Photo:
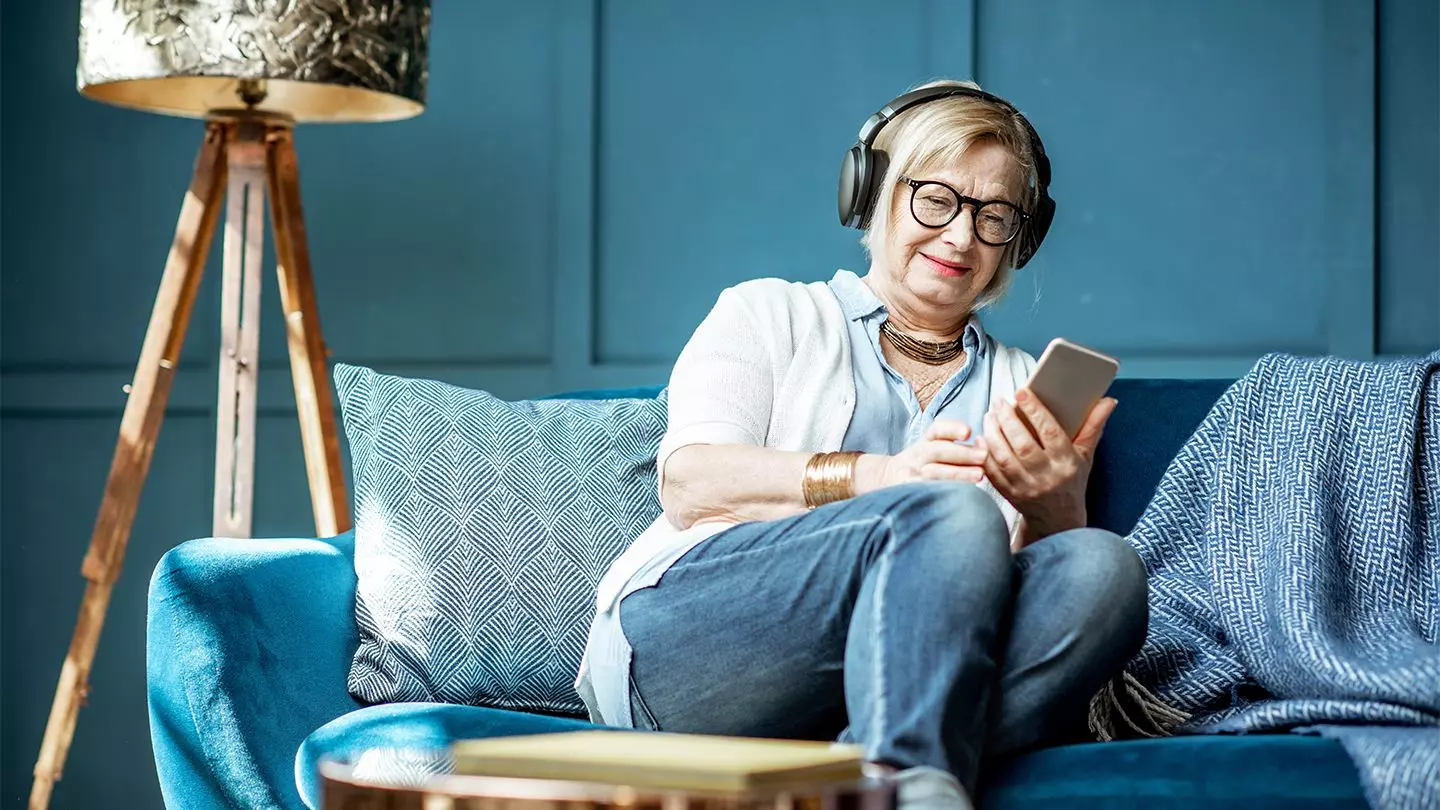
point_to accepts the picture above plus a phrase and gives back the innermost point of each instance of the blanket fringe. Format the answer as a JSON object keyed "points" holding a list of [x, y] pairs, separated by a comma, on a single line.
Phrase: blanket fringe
{"points": [[1124, 708]]}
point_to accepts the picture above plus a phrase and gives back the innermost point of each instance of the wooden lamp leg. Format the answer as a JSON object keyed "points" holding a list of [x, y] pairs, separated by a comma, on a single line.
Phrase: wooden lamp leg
{"points": [[308, 366], [240, 333], [139, 428]]}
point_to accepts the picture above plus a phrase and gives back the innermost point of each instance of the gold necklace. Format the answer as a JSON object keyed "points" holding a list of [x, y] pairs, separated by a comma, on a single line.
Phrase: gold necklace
{"points": [[923, 351]]}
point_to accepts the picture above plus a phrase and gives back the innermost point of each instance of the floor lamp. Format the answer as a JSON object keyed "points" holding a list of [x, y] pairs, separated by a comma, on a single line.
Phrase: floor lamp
{"points": [[251, 71]]}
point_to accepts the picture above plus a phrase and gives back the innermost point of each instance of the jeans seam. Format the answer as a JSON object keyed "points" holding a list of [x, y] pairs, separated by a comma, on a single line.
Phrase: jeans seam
{"points": [[632, 697], [878, 714], [639, 700]]}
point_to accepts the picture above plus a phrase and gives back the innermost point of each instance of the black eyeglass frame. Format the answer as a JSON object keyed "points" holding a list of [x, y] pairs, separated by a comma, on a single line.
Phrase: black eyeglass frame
{"points": [[961, 201]]}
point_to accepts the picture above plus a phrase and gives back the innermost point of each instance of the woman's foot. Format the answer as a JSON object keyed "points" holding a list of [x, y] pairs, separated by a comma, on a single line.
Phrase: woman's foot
{"points": [[922, 788]]}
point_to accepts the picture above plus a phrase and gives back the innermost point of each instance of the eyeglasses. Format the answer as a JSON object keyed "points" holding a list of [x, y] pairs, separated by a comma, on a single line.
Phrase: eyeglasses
{"points": [[935, 205]]}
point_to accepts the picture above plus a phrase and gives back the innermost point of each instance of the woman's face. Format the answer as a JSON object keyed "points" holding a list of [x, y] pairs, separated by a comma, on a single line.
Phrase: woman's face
{"points": [[948, 268]]}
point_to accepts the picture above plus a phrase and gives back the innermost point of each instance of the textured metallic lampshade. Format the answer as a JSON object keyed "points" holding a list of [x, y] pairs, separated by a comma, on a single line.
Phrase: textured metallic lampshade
{"points": [[313, 60]]}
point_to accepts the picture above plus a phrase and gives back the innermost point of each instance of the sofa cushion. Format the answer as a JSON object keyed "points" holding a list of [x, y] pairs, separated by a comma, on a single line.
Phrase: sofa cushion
{"points": [[406, 741], [1251, 771], [482, 528]]}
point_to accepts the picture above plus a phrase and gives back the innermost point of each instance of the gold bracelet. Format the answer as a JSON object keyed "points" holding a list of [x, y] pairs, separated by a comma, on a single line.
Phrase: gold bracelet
{"points": [[829, 477]]}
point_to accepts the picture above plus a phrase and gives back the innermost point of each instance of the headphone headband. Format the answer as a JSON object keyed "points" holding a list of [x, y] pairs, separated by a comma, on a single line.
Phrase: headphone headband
{"points": [[864, 167]]}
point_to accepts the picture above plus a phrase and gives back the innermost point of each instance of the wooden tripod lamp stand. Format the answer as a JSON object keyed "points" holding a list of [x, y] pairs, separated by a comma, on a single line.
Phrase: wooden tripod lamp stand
{"points": [[251, 71]]}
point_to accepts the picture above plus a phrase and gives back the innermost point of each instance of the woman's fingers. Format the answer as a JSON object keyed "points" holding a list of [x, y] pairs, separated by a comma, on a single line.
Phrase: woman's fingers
{"points": [[997, 476], [946, 459], [1021, 440], [997, 442], [1050, 433], [1089, 435], [952, 472], [1001, 466], [948, 430], [954, 453]]}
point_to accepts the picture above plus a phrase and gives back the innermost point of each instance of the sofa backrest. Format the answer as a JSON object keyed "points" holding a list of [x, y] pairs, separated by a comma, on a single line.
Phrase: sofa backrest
{"points": [[1151, 423], [1153, 420]]}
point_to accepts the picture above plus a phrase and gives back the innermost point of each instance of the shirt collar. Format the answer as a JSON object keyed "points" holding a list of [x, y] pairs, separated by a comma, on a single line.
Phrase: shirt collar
{"points": [[859, 302]]}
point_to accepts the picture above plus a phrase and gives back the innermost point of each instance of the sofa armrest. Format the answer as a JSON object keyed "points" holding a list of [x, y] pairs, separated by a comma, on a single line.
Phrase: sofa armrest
{"points": [[248, 645]]}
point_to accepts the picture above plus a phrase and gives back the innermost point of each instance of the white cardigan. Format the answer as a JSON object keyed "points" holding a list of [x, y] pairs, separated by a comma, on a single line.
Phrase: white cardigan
{"points": [[769, 366]]}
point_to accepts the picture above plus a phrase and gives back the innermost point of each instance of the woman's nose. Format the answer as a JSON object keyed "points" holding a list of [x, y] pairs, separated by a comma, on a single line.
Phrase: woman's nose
{"points": [[960, 233]]}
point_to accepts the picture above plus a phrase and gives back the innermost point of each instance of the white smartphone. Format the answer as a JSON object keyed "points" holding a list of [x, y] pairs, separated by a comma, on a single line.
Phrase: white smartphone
{"points": [[1070, 379]]}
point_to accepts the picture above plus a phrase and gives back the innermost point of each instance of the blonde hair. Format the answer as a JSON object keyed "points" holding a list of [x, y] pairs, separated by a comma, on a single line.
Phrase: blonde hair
{"points": [[933, 136]]}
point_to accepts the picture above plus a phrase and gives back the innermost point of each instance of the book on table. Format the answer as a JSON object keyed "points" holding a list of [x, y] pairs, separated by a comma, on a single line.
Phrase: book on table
{"points": [[660, 761]]}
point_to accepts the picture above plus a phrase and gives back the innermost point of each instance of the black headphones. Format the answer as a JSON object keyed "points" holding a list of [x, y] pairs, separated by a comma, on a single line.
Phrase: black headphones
{"points": [[864, 167]]}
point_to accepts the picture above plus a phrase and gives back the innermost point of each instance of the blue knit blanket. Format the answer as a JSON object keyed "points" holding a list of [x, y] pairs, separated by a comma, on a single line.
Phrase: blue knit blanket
{"points": [[1293, 548]]}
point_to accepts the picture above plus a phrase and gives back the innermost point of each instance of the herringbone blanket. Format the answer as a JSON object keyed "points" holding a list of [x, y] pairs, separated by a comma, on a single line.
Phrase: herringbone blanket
{"points": [[1293, 548]]}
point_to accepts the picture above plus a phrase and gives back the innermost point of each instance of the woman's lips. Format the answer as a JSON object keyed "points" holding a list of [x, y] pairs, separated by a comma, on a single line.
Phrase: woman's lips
{"points": [[951, 269]]}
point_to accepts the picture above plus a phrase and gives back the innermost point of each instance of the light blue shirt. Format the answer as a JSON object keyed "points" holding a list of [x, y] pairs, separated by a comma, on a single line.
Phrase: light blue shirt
{"points": [[888, 417]]}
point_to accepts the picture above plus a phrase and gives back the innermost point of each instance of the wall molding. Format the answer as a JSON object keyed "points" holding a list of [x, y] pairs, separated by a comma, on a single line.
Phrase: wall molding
{"points": [[1351, 119], [46, 391], [60, 392], [575, 175]]}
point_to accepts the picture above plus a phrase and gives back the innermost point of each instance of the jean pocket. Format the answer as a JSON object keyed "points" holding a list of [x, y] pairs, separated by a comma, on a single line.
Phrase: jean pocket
{"points": [[640, 715]]}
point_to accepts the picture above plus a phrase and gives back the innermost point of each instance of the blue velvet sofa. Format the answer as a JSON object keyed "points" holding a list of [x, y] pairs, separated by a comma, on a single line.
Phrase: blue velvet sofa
{"points": [[250, 641]]}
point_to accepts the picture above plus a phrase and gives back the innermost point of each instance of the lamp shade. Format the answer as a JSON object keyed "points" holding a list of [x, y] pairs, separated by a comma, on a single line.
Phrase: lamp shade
{"points": [[313, 60]]}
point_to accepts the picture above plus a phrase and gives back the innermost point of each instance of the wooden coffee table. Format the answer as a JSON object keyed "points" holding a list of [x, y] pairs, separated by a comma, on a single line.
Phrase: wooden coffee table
{"points": [[419, 779]]}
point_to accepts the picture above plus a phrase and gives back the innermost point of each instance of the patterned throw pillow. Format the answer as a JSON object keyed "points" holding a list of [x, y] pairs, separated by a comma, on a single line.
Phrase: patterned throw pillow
{"points": [[482, 528]]}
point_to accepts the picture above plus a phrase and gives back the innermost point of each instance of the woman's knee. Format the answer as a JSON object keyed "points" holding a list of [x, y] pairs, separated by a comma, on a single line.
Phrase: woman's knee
{"points": [[1106, 558], [1106, 567], [950, 520]]}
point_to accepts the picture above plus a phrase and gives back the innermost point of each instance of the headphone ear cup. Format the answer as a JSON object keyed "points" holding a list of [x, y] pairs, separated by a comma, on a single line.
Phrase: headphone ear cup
{"points": [[853, 181], [875, 169]]}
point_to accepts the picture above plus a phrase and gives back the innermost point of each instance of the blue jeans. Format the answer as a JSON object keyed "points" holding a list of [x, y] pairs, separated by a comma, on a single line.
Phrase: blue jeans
{"points": [[901, 613]]}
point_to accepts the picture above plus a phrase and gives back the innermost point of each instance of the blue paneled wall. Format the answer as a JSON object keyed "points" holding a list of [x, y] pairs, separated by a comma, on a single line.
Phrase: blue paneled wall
{"points": [[1232, 177]]}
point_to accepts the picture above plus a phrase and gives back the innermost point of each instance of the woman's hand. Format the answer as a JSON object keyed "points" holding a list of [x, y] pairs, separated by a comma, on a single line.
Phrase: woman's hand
{"points": [[936, 457], [1042, 474]]}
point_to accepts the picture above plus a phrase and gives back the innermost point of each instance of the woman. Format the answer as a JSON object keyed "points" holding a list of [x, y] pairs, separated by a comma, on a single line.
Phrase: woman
{"points": [[862, 539]]}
